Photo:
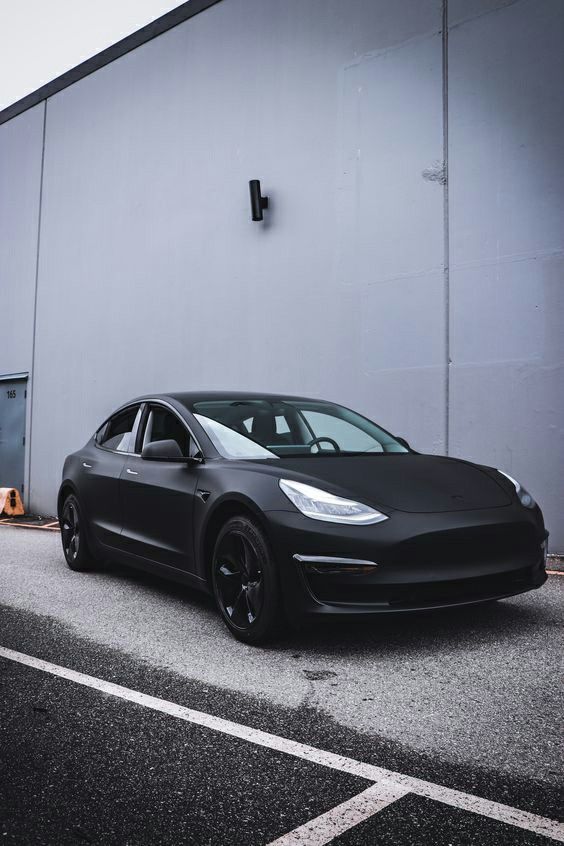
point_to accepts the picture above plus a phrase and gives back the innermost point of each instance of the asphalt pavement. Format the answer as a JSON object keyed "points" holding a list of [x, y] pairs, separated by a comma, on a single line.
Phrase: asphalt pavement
{"points": [[467, 701]]}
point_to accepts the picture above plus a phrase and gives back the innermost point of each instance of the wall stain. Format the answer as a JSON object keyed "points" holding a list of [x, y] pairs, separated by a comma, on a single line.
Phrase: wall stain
{"points": [[435, 173]]}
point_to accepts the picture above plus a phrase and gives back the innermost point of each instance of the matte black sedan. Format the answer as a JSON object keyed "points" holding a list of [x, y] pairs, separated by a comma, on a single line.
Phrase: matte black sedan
{"points": [[285, 507]]}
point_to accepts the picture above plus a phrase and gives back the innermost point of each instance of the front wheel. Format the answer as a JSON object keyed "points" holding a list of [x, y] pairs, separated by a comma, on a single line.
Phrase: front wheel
{"points": [[73, 536], [245, 582]]}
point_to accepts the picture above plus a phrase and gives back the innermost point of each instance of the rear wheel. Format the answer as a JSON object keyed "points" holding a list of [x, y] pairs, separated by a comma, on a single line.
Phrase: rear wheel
{"points": [[245, 582], [73, 536]]}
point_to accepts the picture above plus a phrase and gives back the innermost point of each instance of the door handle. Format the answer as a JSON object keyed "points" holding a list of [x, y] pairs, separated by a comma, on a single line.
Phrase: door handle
{"points": [[84, 464], [132, 472]]}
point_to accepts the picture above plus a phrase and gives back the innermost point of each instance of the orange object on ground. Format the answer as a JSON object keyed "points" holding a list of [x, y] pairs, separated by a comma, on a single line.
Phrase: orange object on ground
{"points": [[11, 502]]}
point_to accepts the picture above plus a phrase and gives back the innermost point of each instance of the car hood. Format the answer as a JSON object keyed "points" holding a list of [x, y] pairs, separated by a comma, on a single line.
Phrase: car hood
{"points": [[403, 482]]}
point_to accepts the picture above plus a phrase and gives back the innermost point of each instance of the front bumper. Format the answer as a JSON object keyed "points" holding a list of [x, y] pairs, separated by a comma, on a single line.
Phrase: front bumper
{"points": [[412, 562]]}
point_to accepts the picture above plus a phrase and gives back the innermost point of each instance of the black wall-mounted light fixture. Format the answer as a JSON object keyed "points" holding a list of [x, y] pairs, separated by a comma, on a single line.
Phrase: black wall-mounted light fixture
{"points": [[258, 202]]}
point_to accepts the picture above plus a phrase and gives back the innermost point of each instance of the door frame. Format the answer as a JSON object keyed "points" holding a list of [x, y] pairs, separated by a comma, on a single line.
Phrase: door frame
{"points": [[23, 377]]}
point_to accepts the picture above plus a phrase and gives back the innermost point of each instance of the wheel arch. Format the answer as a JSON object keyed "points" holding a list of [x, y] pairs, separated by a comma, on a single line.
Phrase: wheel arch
{"points": [[230, 505], [67, 487]]}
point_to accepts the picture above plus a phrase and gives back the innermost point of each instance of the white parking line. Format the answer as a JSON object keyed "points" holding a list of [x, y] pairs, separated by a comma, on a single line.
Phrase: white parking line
{"points": [[325, 828], [455, 798]]}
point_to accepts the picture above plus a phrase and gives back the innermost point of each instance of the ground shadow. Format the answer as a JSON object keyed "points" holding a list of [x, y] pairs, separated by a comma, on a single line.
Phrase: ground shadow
{"points": [[395, 633]]}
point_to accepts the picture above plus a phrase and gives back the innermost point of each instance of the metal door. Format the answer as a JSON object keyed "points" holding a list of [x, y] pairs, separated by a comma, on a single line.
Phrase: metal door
{"points": [[13, 395]]}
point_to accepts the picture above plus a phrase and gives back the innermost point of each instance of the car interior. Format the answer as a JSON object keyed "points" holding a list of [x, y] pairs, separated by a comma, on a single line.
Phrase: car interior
{"points": [[284, 428], [162, 425]]}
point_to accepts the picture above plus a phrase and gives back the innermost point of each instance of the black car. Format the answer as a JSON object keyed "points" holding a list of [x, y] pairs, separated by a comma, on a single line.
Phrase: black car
{"points": [[285, 507]]}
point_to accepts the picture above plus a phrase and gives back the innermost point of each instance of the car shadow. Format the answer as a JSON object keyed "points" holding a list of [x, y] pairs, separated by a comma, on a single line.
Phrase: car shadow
{"points": [[456, 628], [418, 633], [155, 583]]}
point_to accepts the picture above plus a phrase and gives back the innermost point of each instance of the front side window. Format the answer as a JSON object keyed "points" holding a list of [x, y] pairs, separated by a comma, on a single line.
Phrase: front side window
{"points": [[290, 428], [163, 425], [116, 433]]}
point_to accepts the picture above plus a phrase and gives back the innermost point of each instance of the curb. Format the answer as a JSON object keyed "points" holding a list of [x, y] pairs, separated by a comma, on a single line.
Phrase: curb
{"points": [[555, 564], [32, 521]]}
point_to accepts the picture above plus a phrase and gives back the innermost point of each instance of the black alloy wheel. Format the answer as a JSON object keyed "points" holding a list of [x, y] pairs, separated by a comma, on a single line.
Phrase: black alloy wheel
{"points": [[73, 537], [239, 579], [245, 581]]}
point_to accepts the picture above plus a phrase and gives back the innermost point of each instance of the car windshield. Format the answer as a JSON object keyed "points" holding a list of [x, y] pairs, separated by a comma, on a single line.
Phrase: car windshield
{"points": [[270, 428]]}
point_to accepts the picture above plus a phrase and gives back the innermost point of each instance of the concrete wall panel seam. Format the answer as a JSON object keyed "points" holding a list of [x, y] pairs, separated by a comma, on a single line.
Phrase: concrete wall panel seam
{"points": [[446, 223], [32, 386]]}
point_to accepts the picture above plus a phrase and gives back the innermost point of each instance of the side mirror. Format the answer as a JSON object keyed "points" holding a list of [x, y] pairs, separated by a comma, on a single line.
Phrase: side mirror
{"points": [[163, 451]]}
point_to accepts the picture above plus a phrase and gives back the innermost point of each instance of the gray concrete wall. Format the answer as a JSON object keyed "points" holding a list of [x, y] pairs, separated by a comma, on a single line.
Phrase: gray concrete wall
{"points": [[21, 144], [21, 141], [506, 210], [153, 277]]}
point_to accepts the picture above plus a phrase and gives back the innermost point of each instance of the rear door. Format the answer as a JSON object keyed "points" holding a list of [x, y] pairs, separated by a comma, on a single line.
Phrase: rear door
{"points": [[102, 466], [158, 496]]}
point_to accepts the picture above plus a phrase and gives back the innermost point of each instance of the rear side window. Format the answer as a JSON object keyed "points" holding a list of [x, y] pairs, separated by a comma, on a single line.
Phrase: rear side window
{"points": [[116, 433]]}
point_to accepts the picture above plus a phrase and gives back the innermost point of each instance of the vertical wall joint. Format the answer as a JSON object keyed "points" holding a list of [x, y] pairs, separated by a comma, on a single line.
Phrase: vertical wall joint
{"points": [[446, 244], [32, 390]]}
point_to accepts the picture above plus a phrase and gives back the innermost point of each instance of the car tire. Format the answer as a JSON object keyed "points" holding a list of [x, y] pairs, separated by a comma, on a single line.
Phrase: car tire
{"points": [[245, 582], [73, 536]]}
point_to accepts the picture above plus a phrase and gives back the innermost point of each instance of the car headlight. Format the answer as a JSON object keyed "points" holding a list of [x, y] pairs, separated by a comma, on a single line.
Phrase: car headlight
{"points": [[322, 505], [525, 497]]}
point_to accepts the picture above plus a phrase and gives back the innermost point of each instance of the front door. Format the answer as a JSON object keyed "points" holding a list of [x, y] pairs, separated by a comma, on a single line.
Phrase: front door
{"points": [[13, 395]]}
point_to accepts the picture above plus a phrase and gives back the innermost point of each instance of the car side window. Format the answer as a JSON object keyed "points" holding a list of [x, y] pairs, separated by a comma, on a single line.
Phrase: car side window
{"points": [[163, 425], [116, 434]]}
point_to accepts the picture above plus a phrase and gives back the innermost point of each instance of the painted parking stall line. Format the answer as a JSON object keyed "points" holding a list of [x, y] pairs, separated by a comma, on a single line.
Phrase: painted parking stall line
{"points": [[494, 810], [326, 827]]}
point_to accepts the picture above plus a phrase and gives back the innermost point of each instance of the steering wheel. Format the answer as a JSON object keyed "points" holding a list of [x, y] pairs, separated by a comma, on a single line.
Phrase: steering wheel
{"points": [[333, 443]]}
